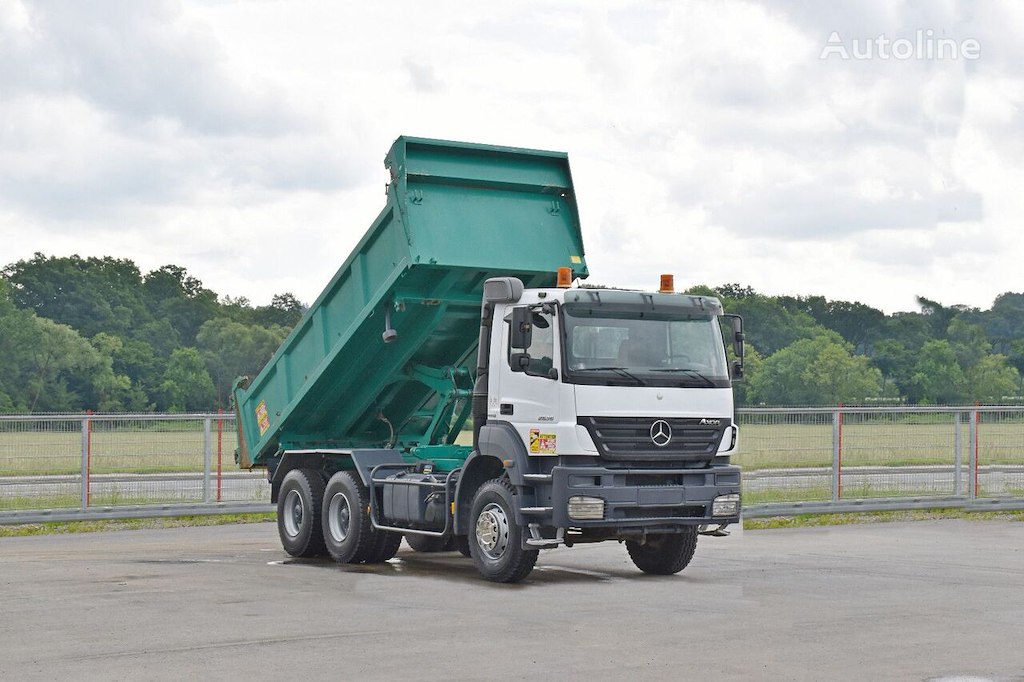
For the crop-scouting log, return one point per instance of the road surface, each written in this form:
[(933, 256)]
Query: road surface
[(906, 601)]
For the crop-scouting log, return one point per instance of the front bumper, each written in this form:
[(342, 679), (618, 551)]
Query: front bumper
[(643, 499)]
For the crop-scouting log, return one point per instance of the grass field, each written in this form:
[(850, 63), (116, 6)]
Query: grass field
[(155, 448)]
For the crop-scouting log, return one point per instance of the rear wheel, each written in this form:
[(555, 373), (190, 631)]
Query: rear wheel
[(298, 513), (664, 554), (495, 541), (348, 533), (385, 546)]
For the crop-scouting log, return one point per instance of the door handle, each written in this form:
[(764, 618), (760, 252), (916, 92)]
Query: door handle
[(507, 408)]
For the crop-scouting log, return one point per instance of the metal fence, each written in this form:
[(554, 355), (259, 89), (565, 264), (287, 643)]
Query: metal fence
[(61, 467), (795, 460), (800, 460)]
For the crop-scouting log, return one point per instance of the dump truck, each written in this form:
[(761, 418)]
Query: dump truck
[(597, 414)]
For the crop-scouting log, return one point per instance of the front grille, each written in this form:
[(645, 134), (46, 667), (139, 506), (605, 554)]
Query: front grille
[(630, 438)]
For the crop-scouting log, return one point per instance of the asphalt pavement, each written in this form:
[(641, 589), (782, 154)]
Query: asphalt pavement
[(900, 601)]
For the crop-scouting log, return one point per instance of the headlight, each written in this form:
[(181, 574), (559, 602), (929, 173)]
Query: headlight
[(726, 505), (583, 508)]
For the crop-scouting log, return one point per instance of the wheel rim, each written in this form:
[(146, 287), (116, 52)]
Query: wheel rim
[(293, 513), (339, 515), (492, 531)]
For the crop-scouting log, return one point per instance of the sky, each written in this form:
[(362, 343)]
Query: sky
[(870, 151)]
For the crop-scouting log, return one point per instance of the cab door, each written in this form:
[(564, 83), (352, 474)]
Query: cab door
[(528, 390)]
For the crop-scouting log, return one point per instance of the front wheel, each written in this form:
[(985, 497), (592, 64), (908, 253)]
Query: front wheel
[(495, 541), (664, 554)]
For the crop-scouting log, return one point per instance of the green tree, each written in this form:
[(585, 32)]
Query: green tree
[(991, 378), (63, 369), (859, 324), (937, 315), (18, 333), (1004, 323), (912, 330), (171, 294), (91, 295), (284, 311), (703, 290), (161, 336), (187, 386), (137, 360), (109, 391), (818, 371), (1016, 358), (238, 309), (969, 342), (897, 364), (232, 349), (938, 378), (768, 325)]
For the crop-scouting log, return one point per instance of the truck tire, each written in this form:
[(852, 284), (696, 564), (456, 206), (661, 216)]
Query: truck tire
[(664, 554), (298, 513), (385, 546), (427, 543), (495, 541), (348, 533)]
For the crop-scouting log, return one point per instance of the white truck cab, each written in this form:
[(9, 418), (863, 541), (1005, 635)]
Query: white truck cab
[(584, 363), (609, 413)]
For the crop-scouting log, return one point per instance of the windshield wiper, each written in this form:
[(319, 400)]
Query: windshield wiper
[(694, 372), (621, 371)]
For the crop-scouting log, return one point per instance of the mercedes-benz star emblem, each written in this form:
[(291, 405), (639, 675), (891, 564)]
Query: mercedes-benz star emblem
[(661, 433)]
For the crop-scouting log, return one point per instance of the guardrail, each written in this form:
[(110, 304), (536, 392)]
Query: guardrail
[(795, 461)]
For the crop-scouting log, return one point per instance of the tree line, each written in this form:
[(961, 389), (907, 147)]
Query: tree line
[(97, 333), (807, 350)]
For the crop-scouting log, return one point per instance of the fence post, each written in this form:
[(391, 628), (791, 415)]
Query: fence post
[(220, 449), (973, 437), (958, 455), (85, 463), (207, 450), (837, 453)]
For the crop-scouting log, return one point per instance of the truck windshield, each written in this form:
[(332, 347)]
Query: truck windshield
[(640, 347)]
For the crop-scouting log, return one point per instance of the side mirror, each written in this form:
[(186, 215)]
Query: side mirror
[(519, 362), (521, 333), (737, 345), (737, 335)]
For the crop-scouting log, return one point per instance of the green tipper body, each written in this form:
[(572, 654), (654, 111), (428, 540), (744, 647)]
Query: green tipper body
[(456, 215)]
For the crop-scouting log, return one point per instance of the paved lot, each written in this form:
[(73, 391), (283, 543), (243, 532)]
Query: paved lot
[(891, 601)]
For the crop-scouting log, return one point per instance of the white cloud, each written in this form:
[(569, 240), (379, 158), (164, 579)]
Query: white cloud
[(244, 141)]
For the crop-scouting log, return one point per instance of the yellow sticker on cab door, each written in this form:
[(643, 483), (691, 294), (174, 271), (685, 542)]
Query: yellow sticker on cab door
[(542, 443)]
